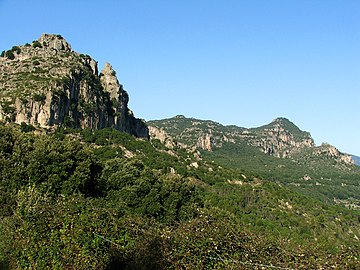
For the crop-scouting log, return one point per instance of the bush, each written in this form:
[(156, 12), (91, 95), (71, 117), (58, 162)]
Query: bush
[(26, 128), (7, 107), (10, 55), (16, 49), (37, 44), (39, 97), (2, 54)]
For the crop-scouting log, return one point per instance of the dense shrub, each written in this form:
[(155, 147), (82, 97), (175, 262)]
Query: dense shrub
[(26, 128), (37, 44), (70, 202), (10, 55), (16, 49), (39, 97)]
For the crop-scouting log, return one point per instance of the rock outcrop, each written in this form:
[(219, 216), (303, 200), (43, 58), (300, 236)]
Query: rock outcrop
[(162, 136), (47, 84), (280, 138), (330, 151)]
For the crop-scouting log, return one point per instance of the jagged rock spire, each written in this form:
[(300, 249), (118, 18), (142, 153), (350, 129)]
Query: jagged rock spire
[(109, 81)]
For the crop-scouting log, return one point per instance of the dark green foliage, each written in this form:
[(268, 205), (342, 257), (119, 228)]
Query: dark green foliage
[(69, 122), (36, 63), (52, 166), (36, 44), (26, 128), (16, 49), (39, 97), (10, 55), (167, 198), (83, 199), (68, 231), (7, 107)]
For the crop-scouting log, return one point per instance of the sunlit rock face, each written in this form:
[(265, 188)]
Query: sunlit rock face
[(48, 85)]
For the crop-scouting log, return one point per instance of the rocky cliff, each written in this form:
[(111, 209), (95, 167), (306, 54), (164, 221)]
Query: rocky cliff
[(281, 138), (47, 84)]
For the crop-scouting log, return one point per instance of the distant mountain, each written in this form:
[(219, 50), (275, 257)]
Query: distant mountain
[(278, 151), (281, 138), (356, 160)]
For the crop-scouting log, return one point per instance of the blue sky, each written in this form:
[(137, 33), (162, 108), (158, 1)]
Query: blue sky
[(234, 62)]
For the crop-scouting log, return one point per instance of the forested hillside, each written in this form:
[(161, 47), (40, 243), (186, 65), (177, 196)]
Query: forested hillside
[(279, 152), (82, 199), (86, 185)]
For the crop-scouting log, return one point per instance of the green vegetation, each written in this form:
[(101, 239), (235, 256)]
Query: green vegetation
[(36, 44), (103, 199), (308, 170), (16, 49), (39, 98), (26, 128), (10, 55)]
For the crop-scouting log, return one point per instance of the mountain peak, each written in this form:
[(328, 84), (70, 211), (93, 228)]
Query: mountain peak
[(46, 84), (281, 120), (54, 41), (284, 122)]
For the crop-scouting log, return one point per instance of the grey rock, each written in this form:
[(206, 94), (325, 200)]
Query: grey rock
[(54, 86)]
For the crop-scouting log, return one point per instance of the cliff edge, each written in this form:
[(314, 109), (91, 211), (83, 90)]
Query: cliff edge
[(48, 85)]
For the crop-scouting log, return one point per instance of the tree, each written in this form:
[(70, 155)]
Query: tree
[(10, 55), (37, 44)]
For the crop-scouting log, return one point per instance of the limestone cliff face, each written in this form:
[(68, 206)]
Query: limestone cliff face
[(47, 85), (280, 138), (162, 136), (332, 152)]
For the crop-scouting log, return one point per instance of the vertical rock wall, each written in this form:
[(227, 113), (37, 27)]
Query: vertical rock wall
[(63, 88)]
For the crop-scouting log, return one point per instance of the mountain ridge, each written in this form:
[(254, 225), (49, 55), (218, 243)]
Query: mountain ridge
[(48, 85), (280, 138), (272, 152)]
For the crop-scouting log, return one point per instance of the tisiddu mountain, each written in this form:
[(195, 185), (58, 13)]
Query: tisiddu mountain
[(83, 186)]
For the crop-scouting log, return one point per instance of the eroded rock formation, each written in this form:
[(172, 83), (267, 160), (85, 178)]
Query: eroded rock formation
[(47, 84)]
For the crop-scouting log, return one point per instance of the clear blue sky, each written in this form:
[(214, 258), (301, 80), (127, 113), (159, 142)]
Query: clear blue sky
[(231, 61)]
